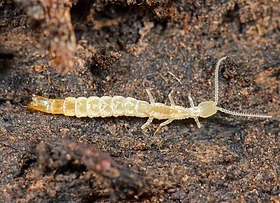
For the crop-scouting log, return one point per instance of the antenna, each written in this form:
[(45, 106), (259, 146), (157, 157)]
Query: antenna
[(235, 113), (217, 67)]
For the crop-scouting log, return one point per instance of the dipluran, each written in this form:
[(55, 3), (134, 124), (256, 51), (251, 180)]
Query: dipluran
[(107, 106)]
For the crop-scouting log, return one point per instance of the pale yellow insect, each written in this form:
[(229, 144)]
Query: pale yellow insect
[(126, 106)]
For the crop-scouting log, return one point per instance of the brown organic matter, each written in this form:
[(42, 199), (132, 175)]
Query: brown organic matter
[(123, 47)]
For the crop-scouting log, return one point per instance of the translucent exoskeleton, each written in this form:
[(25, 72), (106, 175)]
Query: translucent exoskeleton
[(107, 106)]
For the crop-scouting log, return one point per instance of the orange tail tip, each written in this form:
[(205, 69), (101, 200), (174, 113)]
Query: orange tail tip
[(39, 103), (43, 104)]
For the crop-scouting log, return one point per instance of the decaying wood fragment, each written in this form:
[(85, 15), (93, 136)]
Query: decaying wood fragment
[(125, 183), (59, 29)]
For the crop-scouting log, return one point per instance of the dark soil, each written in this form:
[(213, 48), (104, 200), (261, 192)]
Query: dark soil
[(122, 48)]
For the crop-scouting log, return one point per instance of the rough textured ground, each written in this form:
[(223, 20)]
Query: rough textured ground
[(124, 47)]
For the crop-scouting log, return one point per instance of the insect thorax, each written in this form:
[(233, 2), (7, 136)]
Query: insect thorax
[(161, 111)]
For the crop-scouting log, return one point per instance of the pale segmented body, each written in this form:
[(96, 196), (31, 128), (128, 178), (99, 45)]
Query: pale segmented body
[(95, 106), (126, 106), (110, 106)]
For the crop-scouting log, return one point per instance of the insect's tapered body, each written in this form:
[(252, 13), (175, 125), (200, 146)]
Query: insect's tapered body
[(108, 106), (92, 106)]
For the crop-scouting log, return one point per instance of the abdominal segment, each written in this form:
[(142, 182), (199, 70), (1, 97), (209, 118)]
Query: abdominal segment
[(92, 107)]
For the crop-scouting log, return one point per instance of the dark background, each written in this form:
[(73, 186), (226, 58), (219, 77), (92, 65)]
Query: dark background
[(124, 47)]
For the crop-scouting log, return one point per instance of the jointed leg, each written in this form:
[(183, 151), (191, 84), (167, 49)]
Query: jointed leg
[(171, 98), (191, 100), (195, 118), (197, 122), (148, 122), (163, 124), (152, 101)]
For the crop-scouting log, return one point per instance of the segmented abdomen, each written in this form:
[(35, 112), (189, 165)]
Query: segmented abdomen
[(92, 107)]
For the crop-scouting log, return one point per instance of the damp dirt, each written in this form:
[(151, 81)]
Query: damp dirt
[(87, 48)]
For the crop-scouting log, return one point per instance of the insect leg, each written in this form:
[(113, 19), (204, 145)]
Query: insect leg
[(148, 122), (152, 101), (163, 124), (171, 98), (192, 105)]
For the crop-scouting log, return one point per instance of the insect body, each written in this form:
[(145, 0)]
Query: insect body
[(126, 106)]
